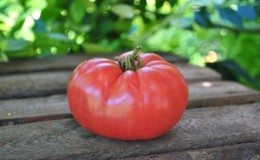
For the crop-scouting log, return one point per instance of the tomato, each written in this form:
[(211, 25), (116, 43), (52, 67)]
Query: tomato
[(136, 97)]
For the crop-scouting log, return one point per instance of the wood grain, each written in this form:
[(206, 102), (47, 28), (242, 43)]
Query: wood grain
[(62, 62), (17, 111), (231, 152), (202, 94), (198, 128), (49, 83), (33, 84)]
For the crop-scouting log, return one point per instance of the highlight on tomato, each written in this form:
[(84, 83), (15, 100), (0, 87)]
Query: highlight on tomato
[(137, 96)]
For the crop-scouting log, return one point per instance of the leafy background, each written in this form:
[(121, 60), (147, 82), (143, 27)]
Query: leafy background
[(221, 34)]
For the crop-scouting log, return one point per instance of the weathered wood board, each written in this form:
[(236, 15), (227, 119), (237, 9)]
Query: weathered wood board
[(33, 84), (199, 128), (202, 94), (250, 151), (62, 62), (48, 83), (28, 110)]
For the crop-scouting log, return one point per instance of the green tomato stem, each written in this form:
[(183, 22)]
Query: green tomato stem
[(136, 50), (128, 63)]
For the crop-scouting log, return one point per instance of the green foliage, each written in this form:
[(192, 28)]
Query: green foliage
[(246, 53), (203, 31)]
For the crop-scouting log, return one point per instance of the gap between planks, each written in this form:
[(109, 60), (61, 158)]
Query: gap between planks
[(202, 94), (198, 128)]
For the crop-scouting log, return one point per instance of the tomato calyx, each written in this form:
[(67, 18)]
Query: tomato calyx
[(130, 62)]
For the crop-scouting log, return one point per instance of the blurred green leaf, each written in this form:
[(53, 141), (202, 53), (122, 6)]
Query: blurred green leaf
[(230, 15), (202, 17), (39, 26), (13, 45), (123, 10), (77, 11), (246, 11), (57, 36)]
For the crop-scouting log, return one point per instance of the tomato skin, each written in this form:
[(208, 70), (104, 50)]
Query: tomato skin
[(130, 105)]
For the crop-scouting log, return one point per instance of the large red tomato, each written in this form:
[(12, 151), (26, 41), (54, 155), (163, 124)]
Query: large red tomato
[(137, 97)]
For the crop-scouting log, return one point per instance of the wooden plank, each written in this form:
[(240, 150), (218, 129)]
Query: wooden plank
[(17, 111), (202, 94), (197, 74), (33, 84), (198, 128), (48, 83), (231, 152), (62, 62)]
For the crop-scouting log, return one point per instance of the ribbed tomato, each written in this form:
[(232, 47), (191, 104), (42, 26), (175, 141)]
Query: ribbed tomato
[(137, 97)]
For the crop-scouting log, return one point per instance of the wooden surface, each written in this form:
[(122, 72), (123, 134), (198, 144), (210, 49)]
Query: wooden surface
[(221, 120), (199, 128)]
